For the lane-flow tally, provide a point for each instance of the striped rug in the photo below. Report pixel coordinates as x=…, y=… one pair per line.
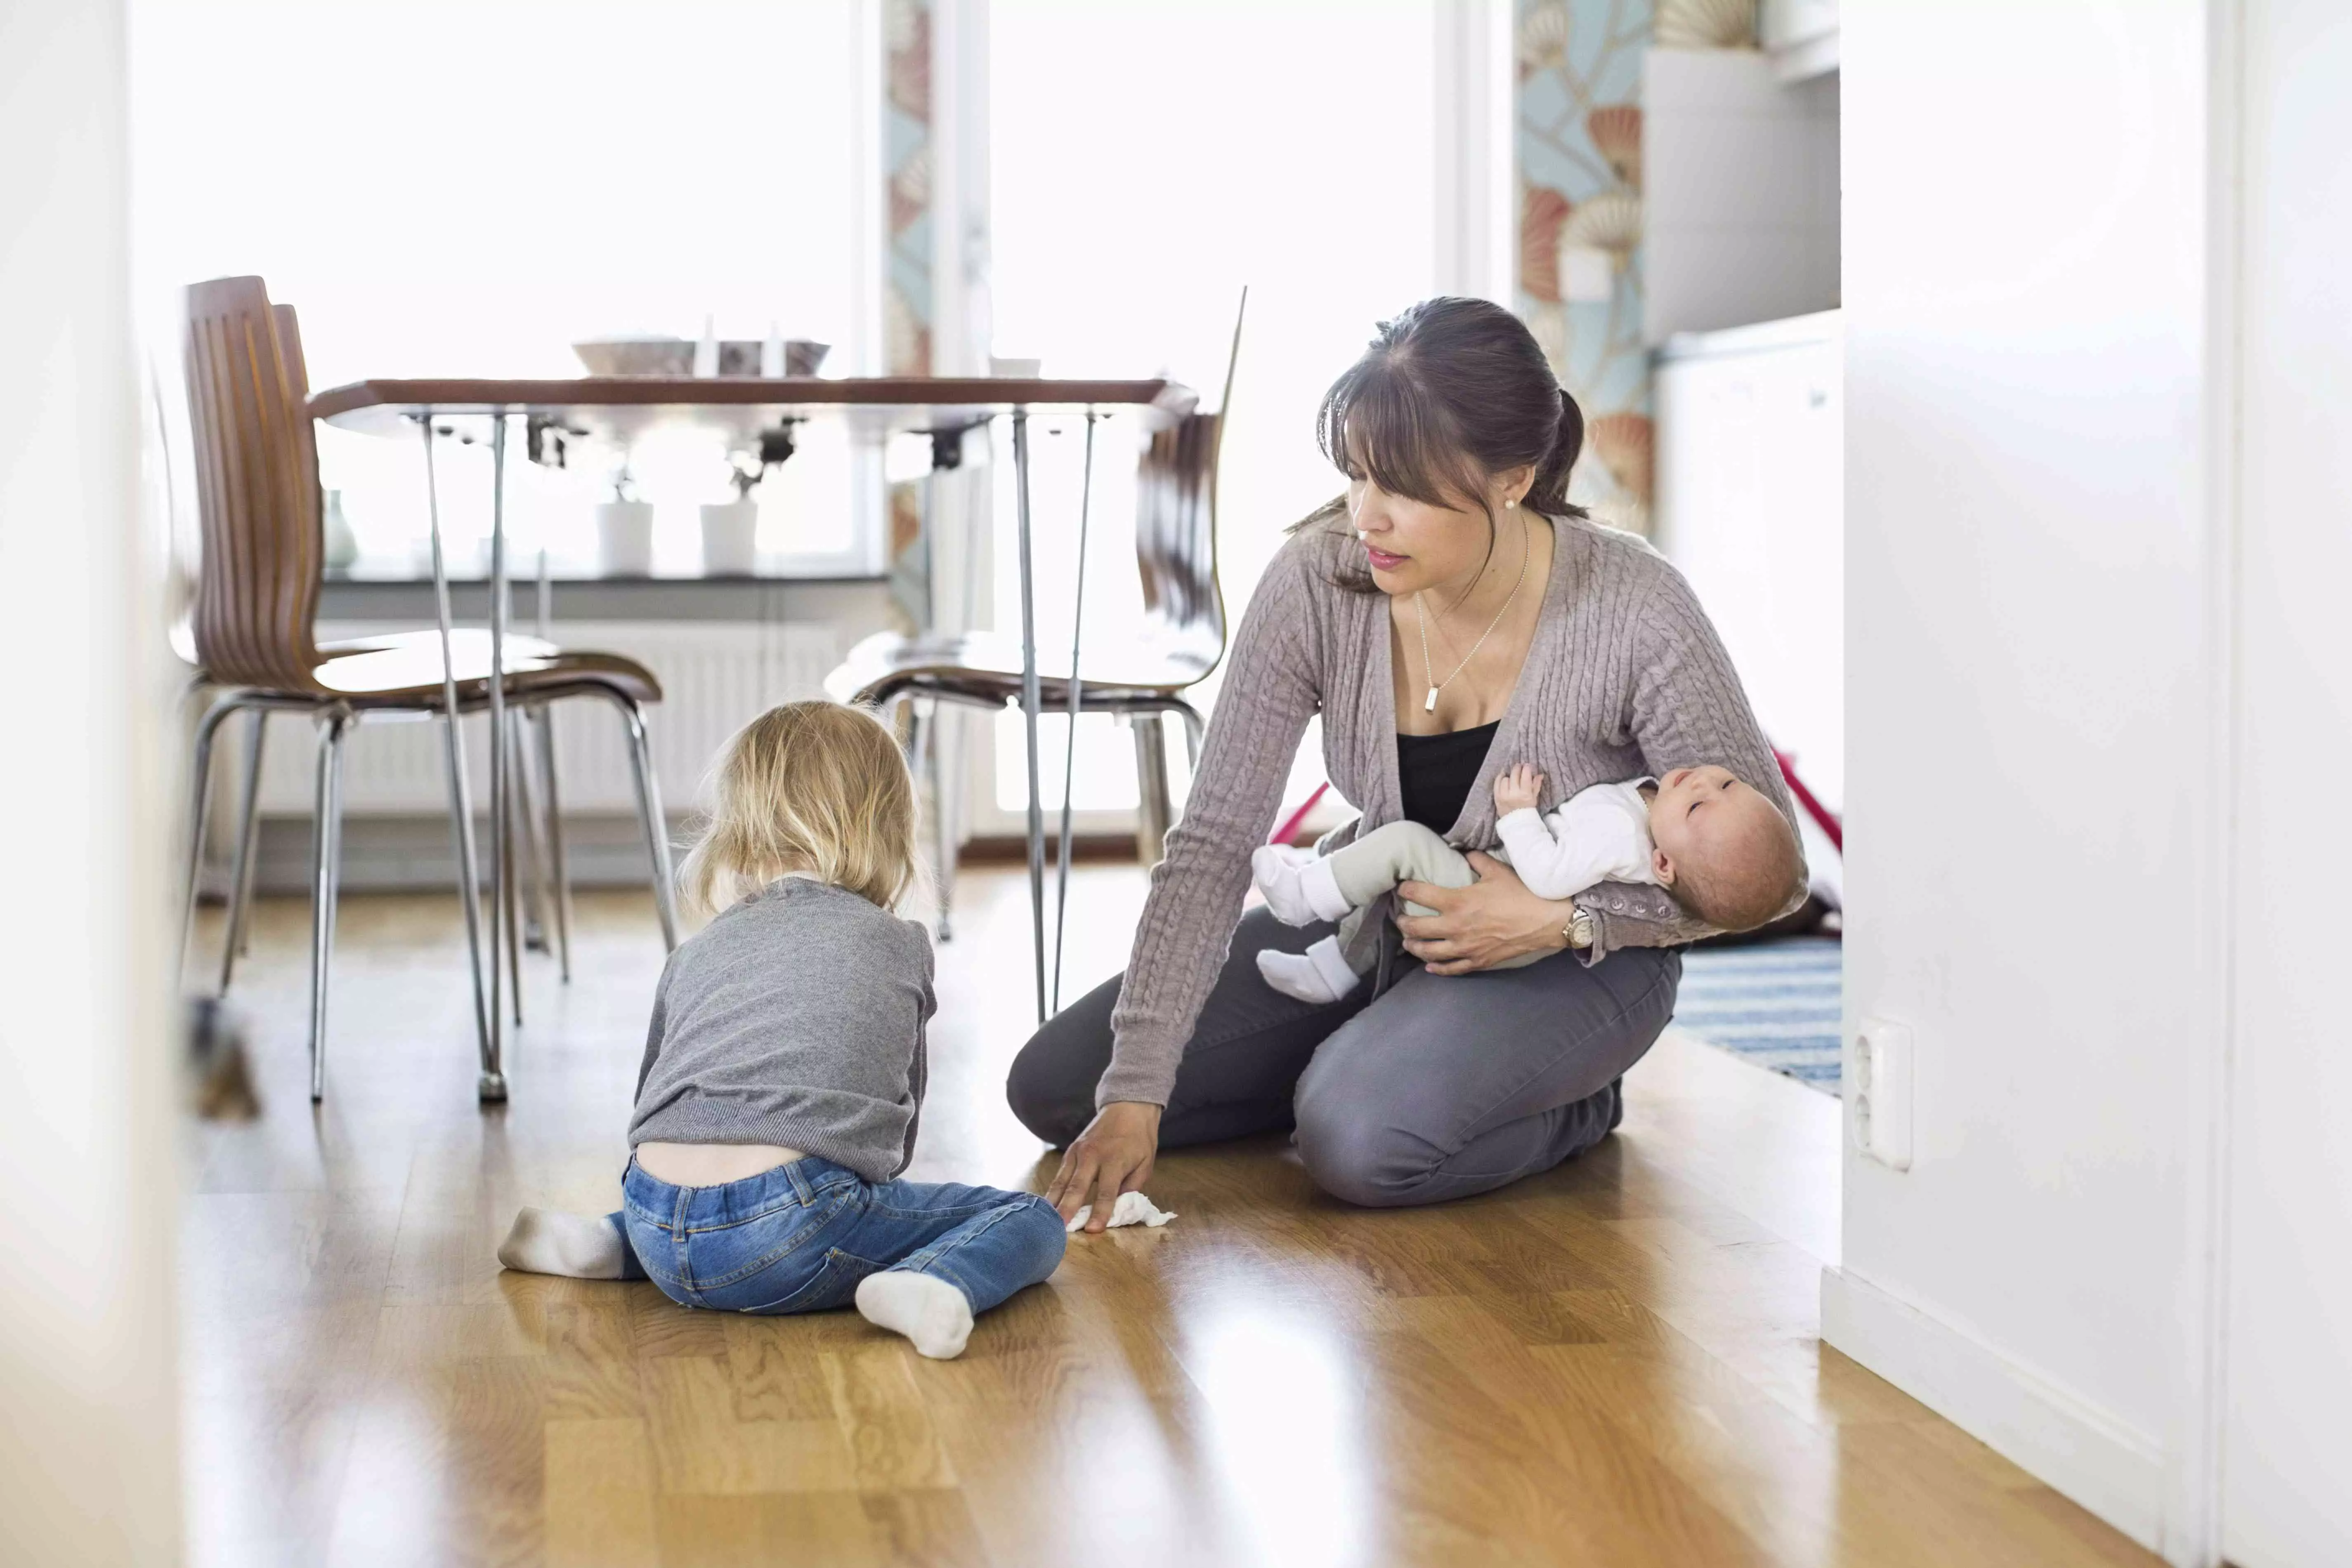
x=1777, y=1004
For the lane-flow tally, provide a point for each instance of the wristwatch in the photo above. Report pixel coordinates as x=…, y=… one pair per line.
x=1579, y=928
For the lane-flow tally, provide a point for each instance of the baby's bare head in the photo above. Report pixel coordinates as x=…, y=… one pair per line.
x=1723, y=850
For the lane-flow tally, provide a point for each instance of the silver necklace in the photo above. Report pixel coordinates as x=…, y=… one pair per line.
x=1421, y=617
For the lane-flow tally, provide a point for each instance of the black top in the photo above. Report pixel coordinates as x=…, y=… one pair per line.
x=1435, y=773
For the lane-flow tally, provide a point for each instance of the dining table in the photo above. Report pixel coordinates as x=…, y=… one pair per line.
x=760, y=417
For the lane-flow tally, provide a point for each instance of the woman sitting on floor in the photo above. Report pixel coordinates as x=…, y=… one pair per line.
x=1451, y=616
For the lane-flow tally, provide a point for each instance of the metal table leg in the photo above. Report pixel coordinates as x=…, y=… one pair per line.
x=1070, y=744
x=1030, y=701
x=461, y=797
x=492, y=1084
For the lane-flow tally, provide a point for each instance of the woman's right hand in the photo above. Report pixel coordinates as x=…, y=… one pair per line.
x=1113, y=1155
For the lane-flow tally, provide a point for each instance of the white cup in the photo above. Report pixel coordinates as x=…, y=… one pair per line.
x=730, y=539
x=624, y=538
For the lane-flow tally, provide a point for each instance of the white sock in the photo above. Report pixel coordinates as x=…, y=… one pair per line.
x=929, y=1311
x=1318, y=975
x=1275, y=868
x=551, y=1241
x=1320, y=884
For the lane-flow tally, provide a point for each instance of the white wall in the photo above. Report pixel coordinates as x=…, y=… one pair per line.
x=2288, y=1431
x=2032, y=809
x=87, y=1401
x=1751, y=504
x=1740, y=192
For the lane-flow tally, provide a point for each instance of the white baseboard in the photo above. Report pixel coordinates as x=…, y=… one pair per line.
x=2079, y=1449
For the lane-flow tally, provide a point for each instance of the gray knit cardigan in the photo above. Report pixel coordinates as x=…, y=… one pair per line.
x=1626, y=677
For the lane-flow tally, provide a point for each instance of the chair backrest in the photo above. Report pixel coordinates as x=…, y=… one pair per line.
x=1176, y=527
x=257, y=498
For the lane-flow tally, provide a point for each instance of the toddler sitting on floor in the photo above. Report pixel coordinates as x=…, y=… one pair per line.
x=1723, y=850
x=785, y=1070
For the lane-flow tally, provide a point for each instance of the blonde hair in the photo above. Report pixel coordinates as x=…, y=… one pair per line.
x=811, y=787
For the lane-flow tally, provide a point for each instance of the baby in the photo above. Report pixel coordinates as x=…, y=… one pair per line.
x=1724, y=852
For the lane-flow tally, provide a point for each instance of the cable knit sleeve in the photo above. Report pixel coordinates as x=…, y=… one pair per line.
x=1269, y=694
x=1688, y=708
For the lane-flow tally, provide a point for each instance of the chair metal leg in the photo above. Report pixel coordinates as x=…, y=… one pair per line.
x=558, y=867
x=649, y=813
x=922, y=737
x=1153, y=810
x=1192, y=733
x=240, y=884
x=510, y=928
x=942, y=816
x=525, y=830
x=200, y=792
x=326, y=853
x=241, y=923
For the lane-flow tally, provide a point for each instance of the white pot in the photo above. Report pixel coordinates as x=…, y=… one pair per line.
x=730, y=540
x=624, y=538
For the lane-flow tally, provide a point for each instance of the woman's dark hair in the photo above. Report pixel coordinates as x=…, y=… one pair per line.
x=1449, y=392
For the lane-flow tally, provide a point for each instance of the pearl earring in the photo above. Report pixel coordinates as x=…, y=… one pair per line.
x=1511, y=505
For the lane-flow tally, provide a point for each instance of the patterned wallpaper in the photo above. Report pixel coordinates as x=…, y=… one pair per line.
x=906, y=287
x=1580, y=275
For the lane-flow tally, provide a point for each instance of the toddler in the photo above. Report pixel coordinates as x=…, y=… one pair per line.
x=1726, y=853
x=785, y=1069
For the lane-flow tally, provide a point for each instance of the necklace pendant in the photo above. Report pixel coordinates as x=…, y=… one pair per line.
x=1430, y=705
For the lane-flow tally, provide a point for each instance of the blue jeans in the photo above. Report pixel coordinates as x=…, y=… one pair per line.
x=799, y=1238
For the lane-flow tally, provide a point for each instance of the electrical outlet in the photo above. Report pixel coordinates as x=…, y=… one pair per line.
x=1879, y=1099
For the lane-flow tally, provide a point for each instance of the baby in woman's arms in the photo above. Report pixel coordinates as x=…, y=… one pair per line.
x=1724, y=852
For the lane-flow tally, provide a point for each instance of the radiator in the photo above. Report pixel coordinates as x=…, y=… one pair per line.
x=715, y=676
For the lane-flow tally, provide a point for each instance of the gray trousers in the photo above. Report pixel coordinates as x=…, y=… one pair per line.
x=1439, y=1087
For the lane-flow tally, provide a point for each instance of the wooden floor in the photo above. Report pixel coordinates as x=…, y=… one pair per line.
x=1612, y=1363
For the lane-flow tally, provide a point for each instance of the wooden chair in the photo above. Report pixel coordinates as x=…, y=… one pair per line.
x=256, y=608
x=1144, y=674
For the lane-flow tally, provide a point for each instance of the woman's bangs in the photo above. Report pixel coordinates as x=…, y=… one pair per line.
x=1374, y=423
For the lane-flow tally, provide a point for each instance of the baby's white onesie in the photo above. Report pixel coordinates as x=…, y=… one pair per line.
x=1597, y=835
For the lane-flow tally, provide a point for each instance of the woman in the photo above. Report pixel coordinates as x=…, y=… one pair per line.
x=1453, y=615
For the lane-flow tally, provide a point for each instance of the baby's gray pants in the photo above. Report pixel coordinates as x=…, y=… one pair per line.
x=1401, y=851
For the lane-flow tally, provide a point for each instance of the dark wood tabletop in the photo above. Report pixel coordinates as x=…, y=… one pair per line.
x=622, y=406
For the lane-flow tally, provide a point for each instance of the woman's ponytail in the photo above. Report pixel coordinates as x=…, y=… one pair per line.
x=1548, y=493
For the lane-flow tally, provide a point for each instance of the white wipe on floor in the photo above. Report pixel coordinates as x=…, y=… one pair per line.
x=1132, y=1208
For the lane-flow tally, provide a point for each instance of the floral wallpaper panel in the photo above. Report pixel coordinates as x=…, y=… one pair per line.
x=907, y=287
x=1579, y=271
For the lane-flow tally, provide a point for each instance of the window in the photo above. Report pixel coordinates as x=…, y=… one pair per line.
x=1148, y=159
x=452, y=188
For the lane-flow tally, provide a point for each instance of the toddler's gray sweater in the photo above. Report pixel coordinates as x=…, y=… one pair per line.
x=795, y=1017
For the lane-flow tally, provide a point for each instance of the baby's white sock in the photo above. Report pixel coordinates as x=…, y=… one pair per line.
x=1297, y=884
x=1318, y=975
x=551, y=1241
x=929, y=1311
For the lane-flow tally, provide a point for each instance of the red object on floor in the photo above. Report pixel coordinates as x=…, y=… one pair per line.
x=1288, y=826
x=1810, y=802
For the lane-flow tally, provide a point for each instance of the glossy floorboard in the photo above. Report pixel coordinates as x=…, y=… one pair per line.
x=1612, y=1363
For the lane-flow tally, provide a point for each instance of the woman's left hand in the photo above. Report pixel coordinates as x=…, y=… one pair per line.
x=1476, y=927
